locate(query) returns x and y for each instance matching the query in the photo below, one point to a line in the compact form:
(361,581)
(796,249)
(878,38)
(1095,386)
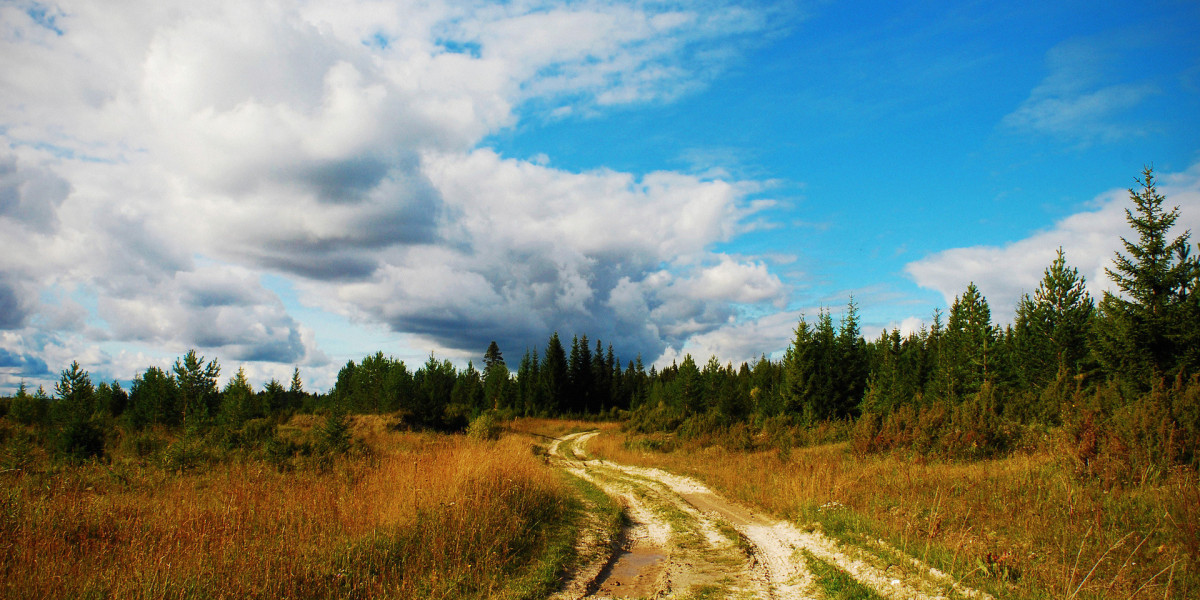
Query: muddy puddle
(634,574)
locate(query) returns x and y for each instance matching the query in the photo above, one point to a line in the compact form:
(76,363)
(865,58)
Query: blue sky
(302,184)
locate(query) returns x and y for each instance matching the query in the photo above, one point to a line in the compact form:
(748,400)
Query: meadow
(399,515)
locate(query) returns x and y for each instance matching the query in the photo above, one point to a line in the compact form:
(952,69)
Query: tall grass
(420,515)
(1023,527)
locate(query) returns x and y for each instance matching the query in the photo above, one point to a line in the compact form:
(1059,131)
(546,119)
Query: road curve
(683,538)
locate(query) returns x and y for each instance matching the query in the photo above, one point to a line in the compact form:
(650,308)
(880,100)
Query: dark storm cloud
(343,266)
(290,350)
(347,180)
(247,333)
(13,313)
(25,364)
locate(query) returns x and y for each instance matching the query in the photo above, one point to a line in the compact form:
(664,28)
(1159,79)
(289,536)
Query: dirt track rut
(682,539)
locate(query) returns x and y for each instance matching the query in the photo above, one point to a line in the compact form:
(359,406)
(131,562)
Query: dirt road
(682,539)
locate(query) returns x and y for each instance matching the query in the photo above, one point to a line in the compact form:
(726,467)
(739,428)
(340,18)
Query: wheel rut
(681,539)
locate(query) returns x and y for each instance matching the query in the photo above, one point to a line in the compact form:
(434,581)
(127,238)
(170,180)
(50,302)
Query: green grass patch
(836,583)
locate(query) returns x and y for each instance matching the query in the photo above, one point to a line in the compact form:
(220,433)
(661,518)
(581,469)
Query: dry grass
(554,428)
(428,516)
(1022,526)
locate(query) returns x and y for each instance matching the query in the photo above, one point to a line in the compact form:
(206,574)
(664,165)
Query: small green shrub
(334,435)
(81,440)
(258,431)
(485,427)
(185,455)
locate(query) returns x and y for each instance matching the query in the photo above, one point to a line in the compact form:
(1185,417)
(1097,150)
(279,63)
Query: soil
(682,539)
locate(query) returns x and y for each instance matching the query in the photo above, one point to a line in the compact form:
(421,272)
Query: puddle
(634,574)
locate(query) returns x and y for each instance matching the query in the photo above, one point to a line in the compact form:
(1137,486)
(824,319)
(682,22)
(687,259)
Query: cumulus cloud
(741,341)
(1089,240)
(165,155)
(529,249)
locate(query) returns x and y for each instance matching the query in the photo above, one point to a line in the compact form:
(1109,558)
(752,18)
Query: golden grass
(1020,526)
(428,516)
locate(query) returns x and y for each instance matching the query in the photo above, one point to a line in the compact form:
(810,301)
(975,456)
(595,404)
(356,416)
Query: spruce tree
(798,370)
(555,384)
(1147,329)
(969,345)
(496,378)
(1050,333)
(197,384)
(850,371)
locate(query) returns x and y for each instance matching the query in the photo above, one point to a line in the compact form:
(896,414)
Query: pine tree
(852,367)
(154,399)
(76,395)
(555,383)
(496,378)
(1050,333)
(238,402)
(197,384)
(1147,330)
(969,345)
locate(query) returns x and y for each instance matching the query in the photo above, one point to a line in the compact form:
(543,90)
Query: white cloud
(741,341)
(1089,240)
(1074,101)
(165,155)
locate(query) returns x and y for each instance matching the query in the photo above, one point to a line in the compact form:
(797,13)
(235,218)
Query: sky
(297,184)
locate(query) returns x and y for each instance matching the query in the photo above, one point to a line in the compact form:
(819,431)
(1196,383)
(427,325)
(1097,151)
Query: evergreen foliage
(1150,329)
(1051,329)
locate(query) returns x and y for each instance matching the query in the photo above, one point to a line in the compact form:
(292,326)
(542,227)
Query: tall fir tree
(1148,329)
(555,383)
(1051,328)
(197,384)
(970,341)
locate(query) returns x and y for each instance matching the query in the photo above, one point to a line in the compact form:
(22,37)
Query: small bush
(969,430)
(81,440)
(485,427)
(334,436)
(864,436)
(184,455)
(1120,441)
(258,431)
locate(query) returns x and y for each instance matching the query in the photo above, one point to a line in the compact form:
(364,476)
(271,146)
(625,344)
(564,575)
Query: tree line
(963,386)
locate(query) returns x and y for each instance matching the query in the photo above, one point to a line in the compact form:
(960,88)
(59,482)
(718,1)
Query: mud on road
(681,539)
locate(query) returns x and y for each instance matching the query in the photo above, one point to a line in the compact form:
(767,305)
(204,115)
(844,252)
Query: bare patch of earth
(682,539)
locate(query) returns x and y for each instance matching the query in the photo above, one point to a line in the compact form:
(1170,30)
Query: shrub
(258,431)
(334,436)
(81,439)
(184,455)
(864,436)
(1120,441)
(485,427)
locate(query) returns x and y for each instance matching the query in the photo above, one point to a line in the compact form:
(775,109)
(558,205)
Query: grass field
(1019,527)
(406,515)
